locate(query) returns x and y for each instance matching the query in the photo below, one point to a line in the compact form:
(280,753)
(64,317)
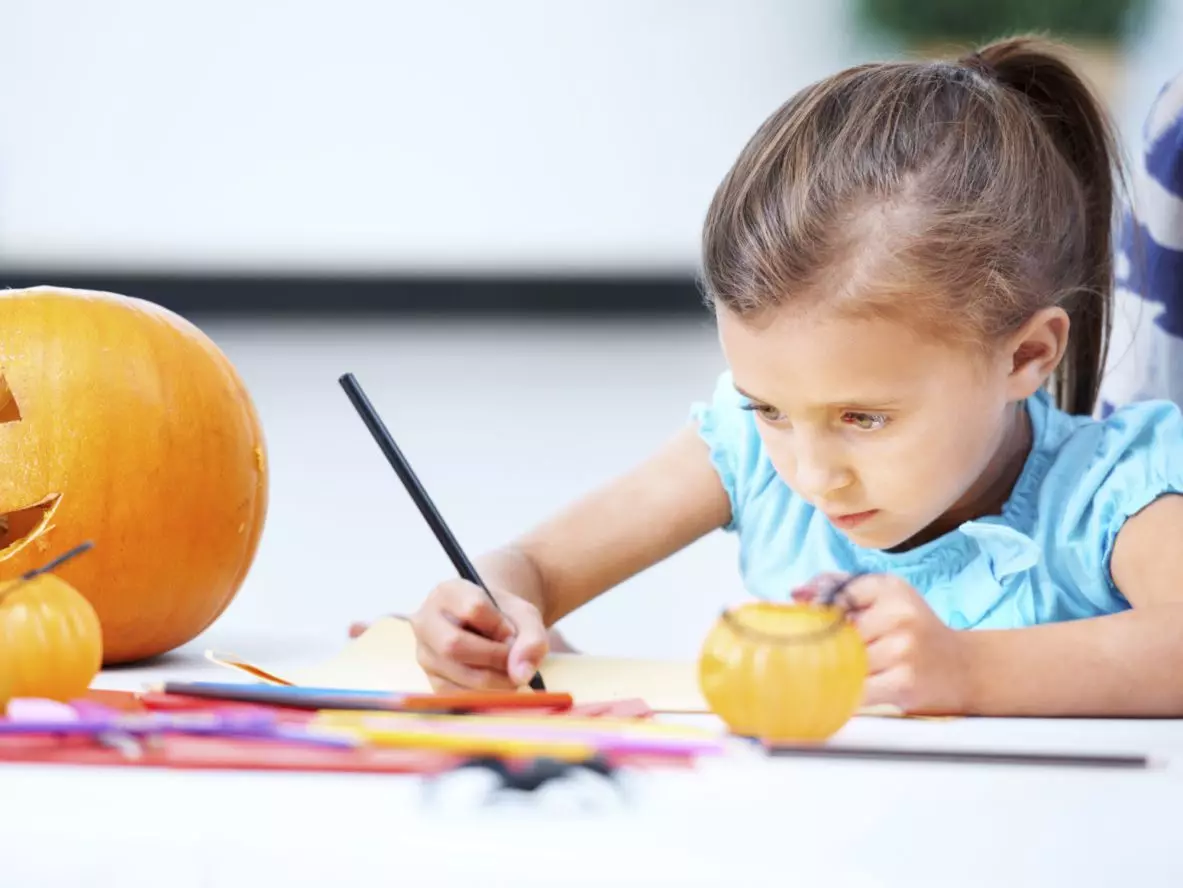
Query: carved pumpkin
(51,643)
(783,672)
(123,424)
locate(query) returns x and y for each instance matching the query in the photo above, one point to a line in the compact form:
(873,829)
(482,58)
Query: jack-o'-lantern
(122,423)
(789,673)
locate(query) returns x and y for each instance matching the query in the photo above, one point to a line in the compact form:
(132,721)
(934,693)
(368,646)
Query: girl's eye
(866,422)
(766,411)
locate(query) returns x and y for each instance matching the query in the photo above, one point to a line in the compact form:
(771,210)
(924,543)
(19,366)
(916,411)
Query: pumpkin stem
(45,568)
(61,559)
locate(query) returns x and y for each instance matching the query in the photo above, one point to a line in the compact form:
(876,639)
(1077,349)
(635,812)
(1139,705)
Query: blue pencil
(284,695)
(192,688)
(330,698)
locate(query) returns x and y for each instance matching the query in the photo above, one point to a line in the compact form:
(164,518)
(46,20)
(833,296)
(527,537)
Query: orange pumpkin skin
(123,424)
(7,679)
(51,643)
(783,672)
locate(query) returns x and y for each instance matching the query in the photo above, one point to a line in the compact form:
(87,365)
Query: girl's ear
(1035,350)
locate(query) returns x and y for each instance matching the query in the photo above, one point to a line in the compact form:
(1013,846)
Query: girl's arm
(661,506)
(1127,664)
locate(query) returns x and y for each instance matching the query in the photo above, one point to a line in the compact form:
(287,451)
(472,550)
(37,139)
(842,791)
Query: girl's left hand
(914,661)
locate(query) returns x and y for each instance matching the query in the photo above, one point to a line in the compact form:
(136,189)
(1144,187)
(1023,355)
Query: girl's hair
(963,196)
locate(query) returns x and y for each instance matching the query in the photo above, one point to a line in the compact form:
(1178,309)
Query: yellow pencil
(472,744)
(625,727)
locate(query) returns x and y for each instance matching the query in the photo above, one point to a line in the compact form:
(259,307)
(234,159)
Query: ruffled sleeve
(737,453)
(1130,460)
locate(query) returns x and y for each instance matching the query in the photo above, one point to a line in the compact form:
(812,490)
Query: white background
(375,134)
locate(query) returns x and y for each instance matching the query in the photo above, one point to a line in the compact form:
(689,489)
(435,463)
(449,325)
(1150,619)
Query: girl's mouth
(853,519)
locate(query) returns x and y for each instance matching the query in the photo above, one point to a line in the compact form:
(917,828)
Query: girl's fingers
(467,605)
(880,605)
(444,686)
(886,652)
(879,621)
(887,688)
(819,587)
(446,640)
(463,677)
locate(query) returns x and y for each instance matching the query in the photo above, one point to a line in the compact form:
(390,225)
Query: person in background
(1146,352)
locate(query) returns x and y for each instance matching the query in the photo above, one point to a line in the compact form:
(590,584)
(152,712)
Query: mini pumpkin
(783,672)
(51,642)
(123,423)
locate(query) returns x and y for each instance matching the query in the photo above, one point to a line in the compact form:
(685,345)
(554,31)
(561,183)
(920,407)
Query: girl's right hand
(465,643)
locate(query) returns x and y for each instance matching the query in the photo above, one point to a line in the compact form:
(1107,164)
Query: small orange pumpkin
(789,673)
(123,423)
(51,642)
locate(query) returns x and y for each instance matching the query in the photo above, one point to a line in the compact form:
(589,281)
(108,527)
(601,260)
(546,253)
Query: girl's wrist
(510,570)
(975,668)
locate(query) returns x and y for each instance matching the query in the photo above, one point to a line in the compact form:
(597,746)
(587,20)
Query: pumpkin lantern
(787,673)
(123,424)
(50,638)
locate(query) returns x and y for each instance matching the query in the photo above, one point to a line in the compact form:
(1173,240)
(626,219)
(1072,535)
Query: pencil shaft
(410,481)
(406,474)
(954,756)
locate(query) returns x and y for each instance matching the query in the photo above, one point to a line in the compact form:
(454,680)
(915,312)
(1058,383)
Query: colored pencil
(232,727)
(378,701)
(464,567)
(962,756)
(603,740)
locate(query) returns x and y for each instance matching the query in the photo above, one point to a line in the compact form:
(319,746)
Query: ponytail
(1083,135)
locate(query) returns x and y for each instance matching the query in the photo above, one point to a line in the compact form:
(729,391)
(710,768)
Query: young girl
(903,261)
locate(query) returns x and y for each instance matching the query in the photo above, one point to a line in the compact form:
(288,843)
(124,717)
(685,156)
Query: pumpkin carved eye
(10,411)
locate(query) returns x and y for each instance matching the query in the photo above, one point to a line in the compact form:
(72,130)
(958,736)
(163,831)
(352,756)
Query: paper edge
(240,664)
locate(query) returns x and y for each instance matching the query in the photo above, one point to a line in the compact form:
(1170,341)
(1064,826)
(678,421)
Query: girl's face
(895,438)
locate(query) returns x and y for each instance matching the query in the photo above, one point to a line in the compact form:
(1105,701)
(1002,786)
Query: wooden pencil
(414,487)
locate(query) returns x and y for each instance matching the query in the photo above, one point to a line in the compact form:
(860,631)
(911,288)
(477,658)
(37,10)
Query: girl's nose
(820,474)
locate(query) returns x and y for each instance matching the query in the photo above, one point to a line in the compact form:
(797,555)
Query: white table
(791,822)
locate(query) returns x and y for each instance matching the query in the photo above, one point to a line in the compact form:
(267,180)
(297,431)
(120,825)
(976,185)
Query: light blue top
(1044,559)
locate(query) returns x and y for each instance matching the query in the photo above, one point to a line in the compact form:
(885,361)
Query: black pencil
(427,508)
(962,756)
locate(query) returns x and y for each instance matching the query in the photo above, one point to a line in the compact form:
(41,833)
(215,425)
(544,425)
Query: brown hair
(967,194)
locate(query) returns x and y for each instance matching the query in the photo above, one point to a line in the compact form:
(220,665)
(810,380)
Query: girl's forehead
(825,358)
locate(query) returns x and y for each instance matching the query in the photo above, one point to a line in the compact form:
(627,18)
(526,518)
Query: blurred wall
(382,135)
(521,155)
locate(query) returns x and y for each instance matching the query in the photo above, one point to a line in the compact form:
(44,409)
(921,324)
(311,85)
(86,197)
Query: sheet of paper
(383,659)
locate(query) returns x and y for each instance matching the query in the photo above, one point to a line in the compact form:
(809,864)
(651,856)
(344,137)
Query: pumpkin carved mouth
(9,411)
(23,526)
